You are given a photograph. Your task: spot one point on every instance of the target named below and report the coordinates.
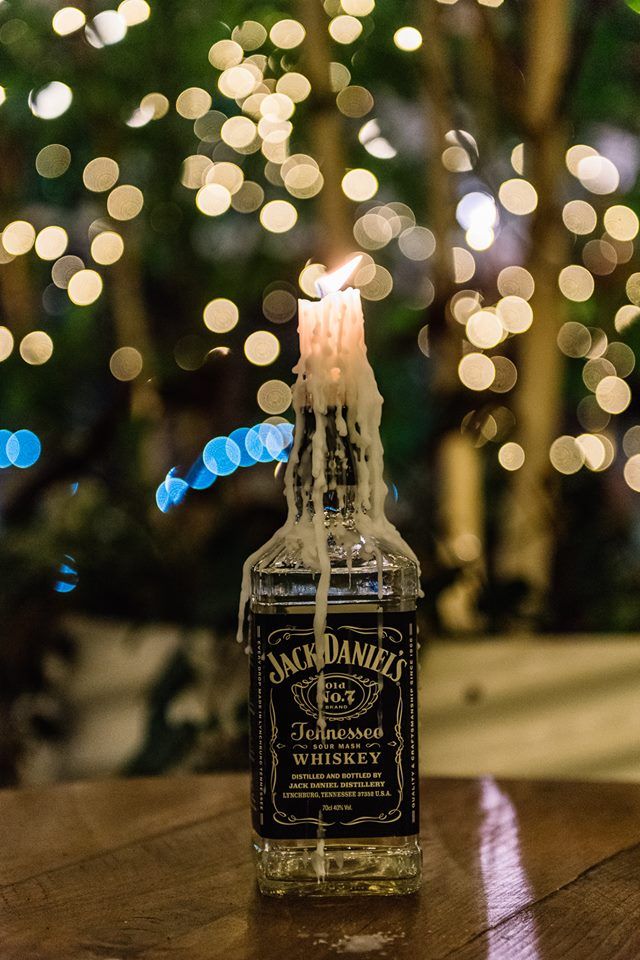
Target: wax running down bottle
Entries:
(332, 647)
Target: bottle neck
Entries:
(325, 439)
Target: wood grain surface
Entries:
(514, 870)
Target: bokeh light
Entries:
(576, 283)
(476, 371)
(51, 243)
(51, 100)
(579, 217)
(125, 202)
(6, 343)
(566, 455)
(278, 216)
(518, 196)
(53, 160)
(18, 237)
(345, 29)
(274, 396)
(261, 348)
(84, 287)
(126, 363)
(107, 247)
(287, 34)
(220, 315)
(359, 184)
(407, 38)
(511, 456)
(67, 20)
(100, 174)
(23, 448)
(36, 348)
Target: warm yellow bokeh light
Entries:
(579, 217)
(358, 8)
(51, 243)
(238, 132)
(484, 329)
(287, 34)
(516, 316)
(464, 265)
(613, 394)
(621, 222)
(18, 237)
(574, 339)
(67, 20)
(53, 160)
(220, 315)
(518, 196)
(575, 154)
(274, 396)
(84, 287)
(294, 85)
(566, 455)
(236, 82)
(249, 34)
(576, 283)
(193, 103)
(407, 38)
(107, 247)
(345, 29)
(6, 343)
(354, 101)
(511, 456)
(598, 174)
(359, 184)
(213, 199)
(476, 371)
(632, 472)
(625, 316)
(125, 202)
(261, 348)
(155, 105)
(248, 198)
(225, 54)
(278, 216)
(100, 174)
(134, 12)
(36, 348)
(516, 281)
(125, 363)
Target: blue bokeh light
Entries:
(23, 448)
(244, 447)
(171, 491)
(239, 437)
(68, 575)
(4, 459)
(199, 476)
(255, 445)
(221, 456)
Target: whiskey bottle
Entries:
(333, 716)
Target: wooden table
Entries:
(161, 869)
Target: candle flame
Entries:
(332, 282)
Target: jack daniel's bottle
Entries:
(334, 750)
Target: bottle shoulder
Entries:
(362, 568)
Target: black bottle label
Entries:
(350, 769)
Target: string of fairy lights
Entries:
(248, 123)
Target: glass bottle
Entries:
(335, 791)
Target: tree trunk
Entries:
(527, 547)
(335, 240)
